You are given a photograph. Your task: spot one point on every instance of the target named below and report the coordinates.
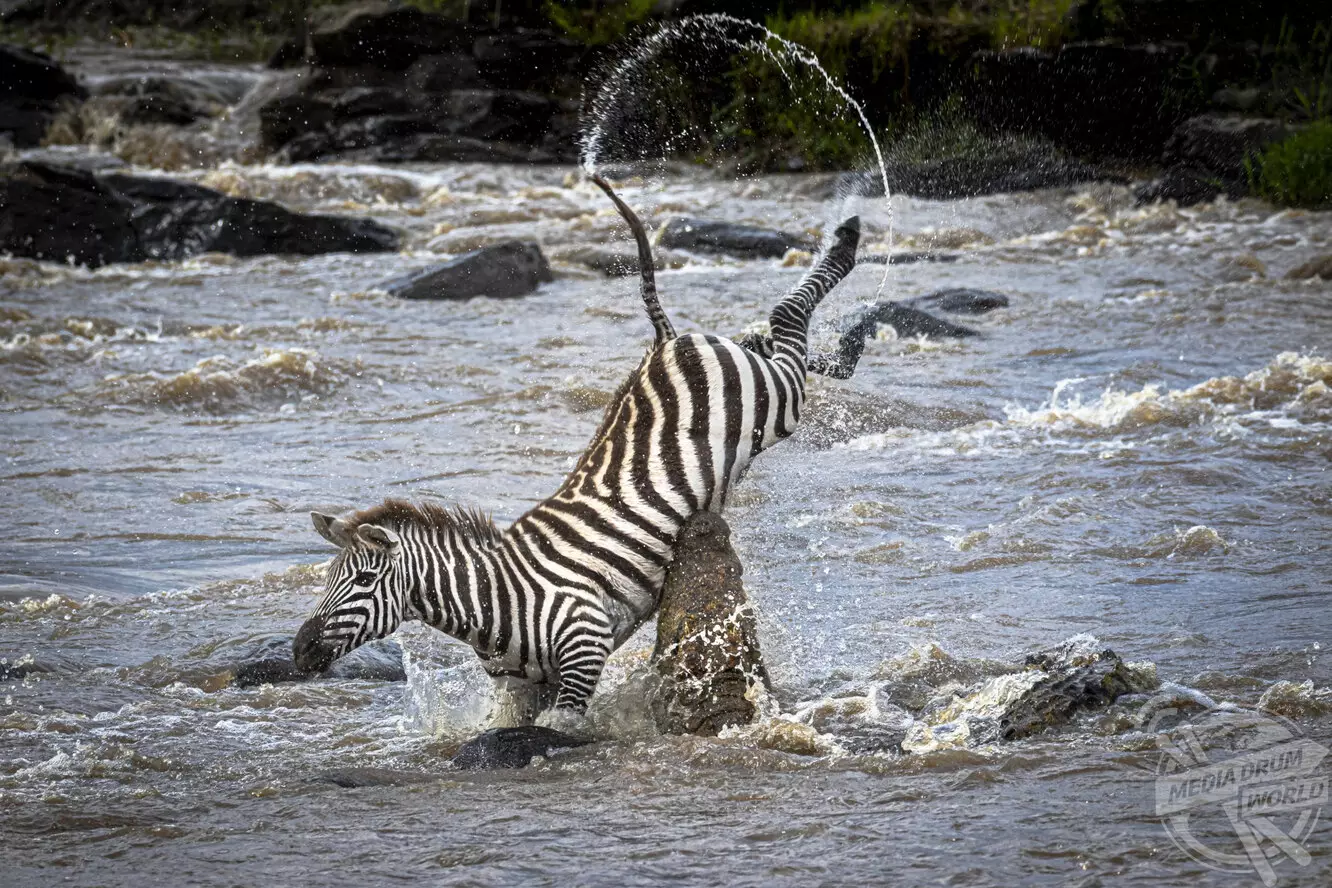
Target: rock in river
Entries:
(707, 652)
(512, 747)
(961, 300)
(64, 214)
(32, 88)
(730, 238)
(502, 271)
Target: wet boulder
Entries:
(166, 100)
(909, 322)
(442, 88)
(1185, 185)
(707, 652)
(501, 271)
(960, 300)
(729, 238)
(1318, 267)
(271, 663)
(512, 747)
(1096, 98)
(177, 219)
(65, 214)
(387, 37)
(32, 89)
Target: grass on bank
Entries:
(1297, 172)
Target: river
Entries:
(1138, 448)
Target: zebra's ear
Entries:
(332, 529)
(378, 537)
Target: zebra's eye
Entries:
(364, 578)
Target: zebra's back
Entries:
(676, 438)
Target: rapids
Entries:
(1138, 448)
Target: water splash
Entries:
(608, 106)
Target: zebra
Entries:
(544, 602)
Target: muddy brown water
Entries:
(1138, 449)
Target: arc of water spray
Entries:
(718, 23)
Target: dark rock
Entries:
(285, 118)
(444, 72)
(1220, 145)
(904, 257)
(909, 322)
(21, 669)
(502, 271)
(271, 663)
(339, 122)
(961, 300)
(65, 215)
(512, 747)
(440, 148)
(272, 670)
(524, 59)
(1007, 167)
(32, 88)
(1184, 185)
(163, 100)
(1096, 98)
(178, 219)
(359, 778)
(1318, 267)
(707, 651)
(388, 38)
(730, 238)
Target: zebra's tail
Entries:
(646, 269)
(790, 317)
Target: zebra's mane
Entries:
(400, 513)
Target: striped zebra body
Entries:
(545, 601)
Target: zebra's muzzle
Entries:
(309, 650)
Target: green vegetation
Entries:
(601, 22)
(1029, 22)
(1297, 172)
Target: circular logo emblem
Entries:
(1240, 791)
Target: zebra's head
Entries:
(365, 596)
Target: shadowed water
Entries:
(1138, 448)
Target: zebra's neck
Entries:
(454, 582)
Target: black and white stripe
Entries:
(548, 599)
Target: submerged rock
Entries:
(65, 214)
(909, 322)
(502, 271)
(707, 652)
(1318, 267)
(271, 663)
(359, 778)
(512, 747)
(32, 89)
(961, 300)
(730, 238)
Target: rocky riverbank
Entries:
(1167, 91)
